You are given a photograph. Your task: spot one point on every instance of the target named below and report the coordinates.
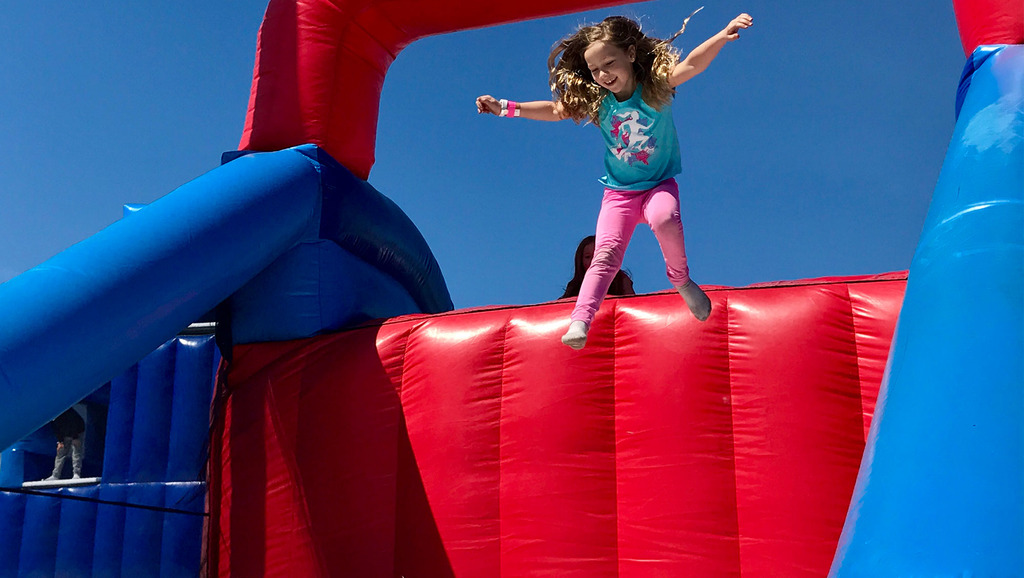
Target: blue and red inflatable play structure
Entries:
(868, 426)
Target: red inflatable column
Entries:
(451, 394)
(675, 476)
(557, 448)
(797, 423)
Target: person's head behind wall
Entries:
(621, 285)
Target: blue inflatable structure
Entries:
(941, 486)
(146, 516)
(281, 245)
(299, 244)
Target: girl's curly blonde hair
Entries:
(574, 87)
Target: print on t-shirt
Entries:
(632, 135)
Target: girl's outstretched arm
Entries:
(535, 110)
(697, 61)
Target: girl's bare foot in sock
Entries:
(696, 299)
(576, 336)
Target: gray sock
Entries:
(696, 299)
(576, 336)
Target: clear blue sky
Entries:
(810, 147)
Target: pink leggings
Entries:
(621, 211)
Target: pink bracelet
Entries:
(509, 108)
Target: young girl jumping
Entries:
(612, 75)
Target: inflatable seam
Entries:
(732, 430)
(506, 327)
(857, 348)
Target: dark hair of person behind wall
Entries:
(621, 285)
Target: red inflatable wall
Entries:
(474, 444)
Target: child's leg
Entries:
(620, 213)
(661, 211)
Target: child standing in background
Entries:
(614, 76)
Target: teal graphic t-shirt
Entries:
(642, 146)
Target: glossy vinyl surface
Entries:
(475, 444)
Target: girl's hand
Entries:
(488, 103)
(732, 31)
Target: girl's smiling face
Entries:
(612, 67)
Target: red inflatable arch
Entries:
(320, 65)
